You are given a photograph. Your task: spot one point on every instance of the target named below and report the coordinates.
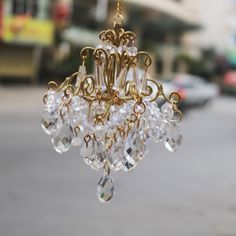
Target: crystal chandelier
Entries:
(111, 113)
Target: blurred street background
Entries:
(189, 193)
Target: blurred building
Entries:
(218, 20)
(26, 26)
(159, 25)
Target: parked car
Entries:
(197, 90)
(193, 90)
(229, 83)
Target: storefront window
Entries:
(25, 7)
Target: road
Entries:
(189, 193)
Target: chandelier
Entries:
(111, 113)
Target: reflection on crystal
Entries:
(48, 126)
(141, 153)
(133, 146)
(50, 117)
(105, 189)
(128, 163)
(99, 155)
(116, 156)
(174, 138)
(62, 138)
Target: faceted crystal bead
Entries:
(173, 138)
(78, 105)
(167, 110)
(98, 108)
(105, 189)
(160, 131)
(51, 97)
(132, 51)
(62, 138)
(111, 49)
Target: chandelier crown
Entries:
(112, 112)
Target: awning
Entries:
(174, 9)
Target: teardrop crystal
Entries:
(105, 189)
(86, 152)
(132, 150)
(116, 156)
(174, 137)
(94, 154)
(62, 138)
(49, 120)
(99, 155)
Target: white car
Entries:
(195, 90)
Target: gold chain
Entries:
(119, 7)
(119, 18)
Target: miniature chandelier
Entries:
(112, 113)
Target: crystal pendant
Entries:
(49, 120)
(142, 151)
(105, 189)
(116, 156)
(62, 138)
(133, 146)
(86, 152)
(174, 137)
(50, 112)
(94, 154)
(99, 155)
